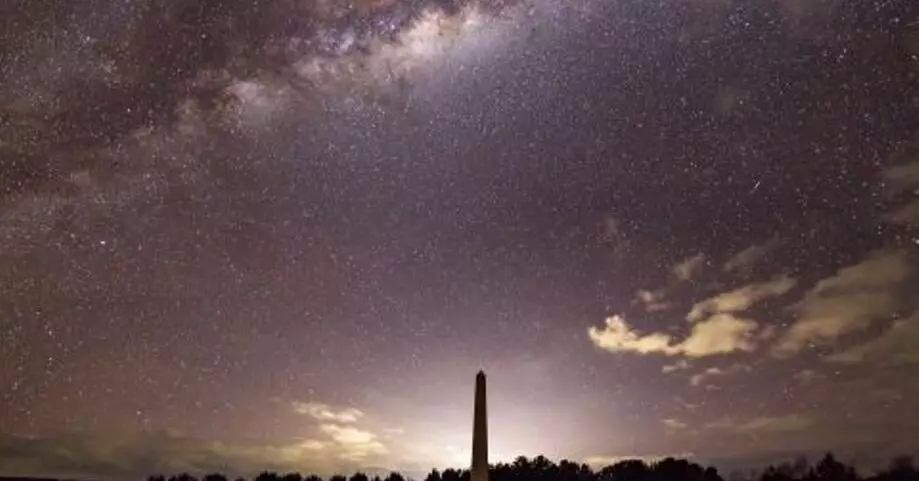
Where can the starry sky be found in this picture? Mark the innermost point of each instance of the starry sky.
(283, 234)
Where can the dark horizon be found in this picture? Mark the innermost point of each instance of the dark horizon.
(826, 467)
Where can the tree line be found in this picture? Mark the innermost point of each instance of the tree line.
(542, 469)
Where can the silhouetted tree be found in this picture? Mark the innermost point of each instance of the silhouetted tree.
(183, 477)
(629, 470)
(711, 474)
(451, 475)
(214, 477)
(829, 469)
(434, 475)
(901, 469)
(395, 477)
(267, 476)
(541, 468)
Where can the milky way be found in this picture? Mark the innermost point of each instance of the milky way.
(284, 234)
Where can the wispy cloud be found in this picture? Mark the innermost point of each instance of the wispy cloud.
(848, 301)
(601, 461)
(324, 412)
(747, 258)
(675, 424)
(720, 334)
(806, 376)
(742, 298)
(898, 344)
(902, 182)
(617, 336)
(689, 268)
(652, 300)
(83, 455)
(355, 443)
(764, 424)
(680, 365)
(700, 378)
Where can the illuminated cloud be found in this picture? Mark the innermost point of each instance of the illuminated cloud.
(907, 214)
(747, 258)
(898, 344)
(742, 298)
(614, 235)
(680, 365)
(764, 424)
(391, 432)
(652, 300)
(601, 461)
(674, 424)
(345, 440)
(617, 336)
(324, 412)
(720, 334)
(699, 379)
(847, 302)
(901, 178)
(806, 376)
(902, 182)
(82, 455)
(354, 443)
(689, 268)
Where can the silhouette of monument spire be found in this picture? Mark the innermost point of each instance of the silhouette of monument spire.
(480, 432)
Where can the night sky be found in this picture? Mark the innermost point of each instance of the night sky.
(285, 234)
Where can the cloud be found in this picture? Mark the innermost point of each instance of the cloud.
(324, 412)
(602, 461)
(700, 378)
(898, 344)
(652, 301)
(742, 298)
(848, 301)
(902, 183)
(617, 336)
(806, 376)
(720, 334)
(680, 365)
(615, 235)
(748, 257)
(675, 424)
(907, 214)
(356, 443)
(764, 424)
(689, 268)
(901, 178)
(120, 456)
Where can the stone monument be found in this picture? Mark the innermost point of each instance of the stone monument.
(480, 432)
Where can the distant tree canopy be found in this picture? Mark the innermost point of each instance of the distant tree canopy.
(542, 469)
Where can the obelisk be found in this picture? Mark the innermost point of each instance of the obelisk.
(480, 432)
